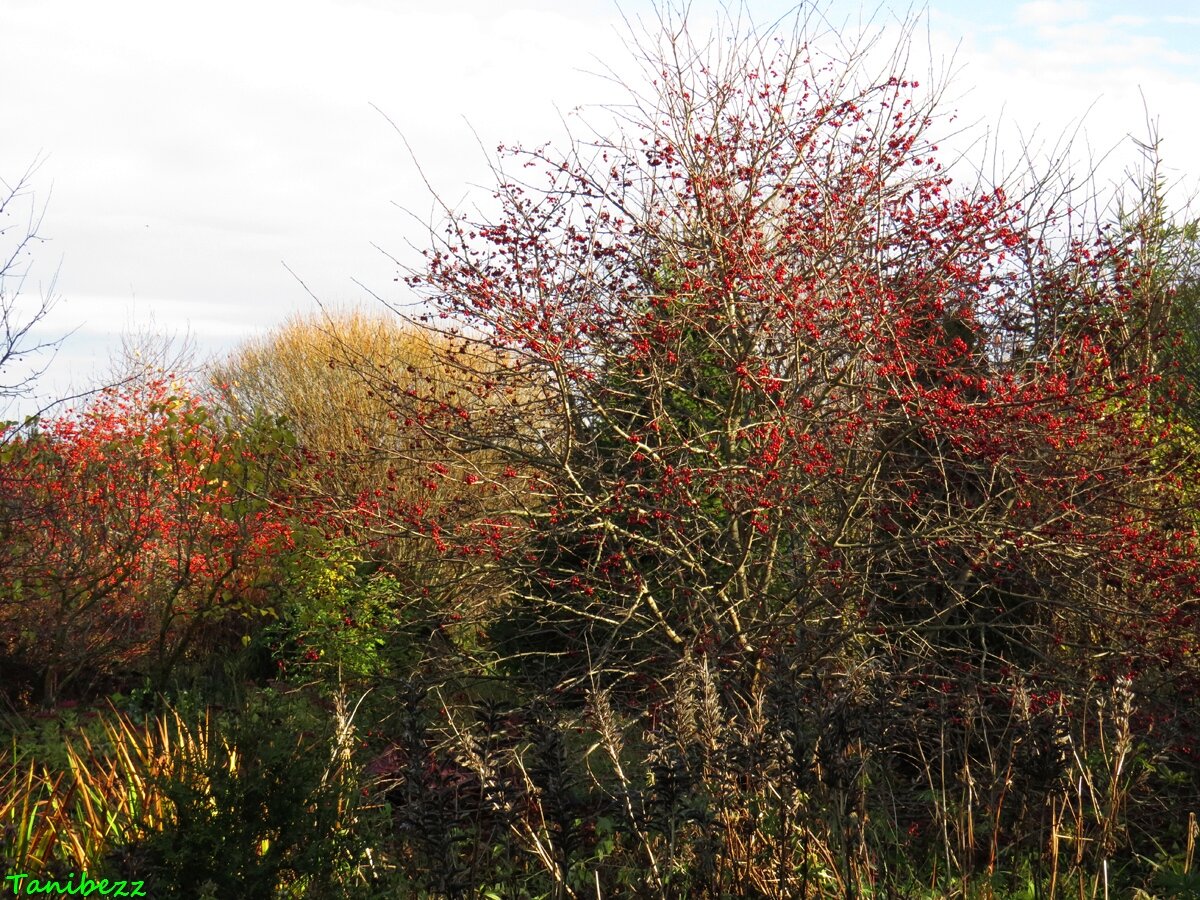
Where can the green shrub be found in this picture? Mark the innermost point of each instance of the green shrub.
(265, 813)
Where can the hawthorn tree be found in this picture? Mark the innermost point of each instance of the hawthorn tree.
(850, 502)
(772, 378)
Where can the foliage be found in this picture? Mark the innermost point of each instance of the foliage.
(782, 401)
(267, 816)
(102, 795)
(336, 623)
(304, 373)
(135, 531)
(257, 803)
(358, 470)
(791, 385)
(752, 511)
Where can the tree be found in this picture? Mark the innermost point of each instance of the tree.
(782, 381)
(844, 505)
(310, 373)
(20, 226)
(138, 530)
(359, 473)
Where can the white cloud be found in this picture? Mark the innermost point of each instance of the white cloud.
(1124, 21)
(1054, 69)
(1050, 12)
(194, 149)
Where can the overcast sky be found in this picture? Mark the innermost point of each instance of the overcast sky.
(186, 157)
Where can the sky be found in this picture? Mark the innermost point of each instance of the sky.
(210, 169)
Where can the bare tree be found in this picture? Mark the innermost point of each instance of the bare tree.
(21, 217)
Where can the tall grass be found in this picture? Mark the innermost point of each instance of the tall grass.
(108, 794)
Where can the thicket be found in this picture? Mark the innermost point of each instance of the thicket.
(749, 509)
